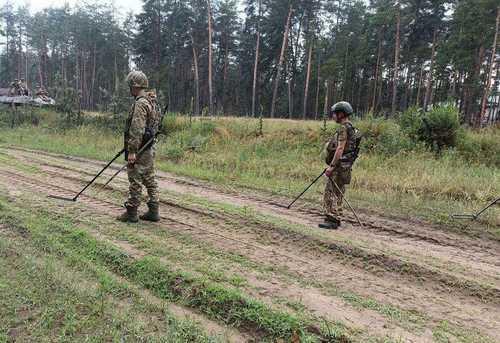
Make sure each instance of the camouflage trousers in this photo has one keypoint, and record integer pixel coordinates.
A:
(332, 198)
(142, 173)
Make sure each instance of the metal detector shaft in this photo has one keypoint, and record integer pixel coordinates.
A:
(139, 153)
(347, 202)
(497, 201)
(75, 198)
(305, 190)
(99, 174)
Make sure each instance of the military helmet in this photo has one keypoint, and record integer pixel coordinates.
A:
(137, 79)
(342, 106)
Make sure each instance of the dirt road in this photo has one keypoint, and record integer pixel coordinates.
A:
(396, 278)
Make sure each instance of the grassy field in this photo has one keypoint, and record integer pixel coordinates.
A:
(228, 264)
(394, 175)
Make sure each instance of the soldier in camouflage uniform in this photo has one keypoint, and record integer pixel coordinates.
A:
(142, 124)
(339, 150)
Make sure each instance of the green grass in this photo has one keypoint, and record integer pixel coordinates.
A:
(393, 175)
(44, 297)
(57, 234)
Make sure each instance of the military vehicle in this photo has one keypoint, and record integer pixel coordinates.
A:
(15, 97)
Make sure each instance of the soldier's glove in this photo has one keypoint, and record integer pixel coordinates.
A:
(131, 159)
(329, 171)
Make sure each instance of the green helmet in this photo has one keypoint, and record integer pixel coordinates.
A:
(342, 106)
(137, 79)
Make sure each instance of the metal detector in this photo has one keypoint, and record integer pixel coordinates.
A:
(476, 215)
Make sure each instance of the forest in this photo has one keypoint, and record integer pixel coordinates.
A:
(270, 58)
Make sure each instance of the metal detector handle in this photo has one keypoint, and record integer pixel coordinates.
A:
(99, 174)
(305, 190)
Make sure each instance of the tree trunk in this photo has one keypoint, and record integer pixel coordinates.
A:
(344, 81)
(490, 71)
(280, 63)
(224, 77)
(327, 91)
(318, 84)
(419, 88)
(256, 63)
(470, 89)
(431, 70)
(308, 77)
(210, 89)
(93, 79)
(396, 62)
(196, 106)
(289, 90)
(377, 69)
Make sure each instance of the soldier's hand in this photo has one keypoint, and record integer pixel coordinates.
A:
(329, 171)
(131, 159)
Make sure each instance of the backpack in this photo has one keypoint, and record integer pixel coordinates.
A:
(154, 122)
(355, 136)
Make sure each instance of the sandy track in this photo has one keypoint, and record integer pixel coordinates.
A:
(434, 251)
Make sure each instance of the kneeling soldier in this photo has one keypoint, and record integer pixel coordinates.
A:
(142, 125)
(340, 157)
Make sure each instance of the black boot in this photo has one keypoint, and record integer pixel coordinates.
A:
(152, 214)
(330, 223)
(130, 216)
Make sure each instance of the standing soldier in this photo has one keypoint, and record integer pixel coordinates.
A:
(142, 124)
(341, 153)
(23, 87)
(14, 87)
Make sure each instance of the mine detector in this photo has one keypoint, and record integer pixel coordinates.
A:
(6, 97)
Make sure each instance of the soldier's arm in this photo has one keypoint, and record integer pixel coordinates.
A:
(342, 141)
(137, 127)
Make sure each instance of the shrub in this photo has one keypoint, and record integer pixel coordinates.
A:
(384, 136)
(21, 115)
(438, 128)
(480, 147)
(174, 153)
(173, 123)
(410, 122)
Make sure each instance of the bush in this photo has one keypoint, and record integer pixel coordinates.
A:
(438, 128)
(384, 136)
(480, 147)
(410, 122)
(173, 123)
(22, 115)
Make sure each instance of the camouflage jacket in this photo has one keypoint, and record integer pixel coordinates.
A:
(344, 133)
(143, 119)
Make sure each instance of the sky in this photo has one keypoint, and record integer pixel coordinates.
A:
(124, 6)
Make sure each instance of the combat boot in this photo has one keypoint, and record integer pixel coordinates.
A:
(152, 214)
(330, 223)
(130, 216)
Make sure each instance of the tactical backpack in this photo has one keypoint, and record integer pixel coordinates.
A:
(153, 123)
(355, 136)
